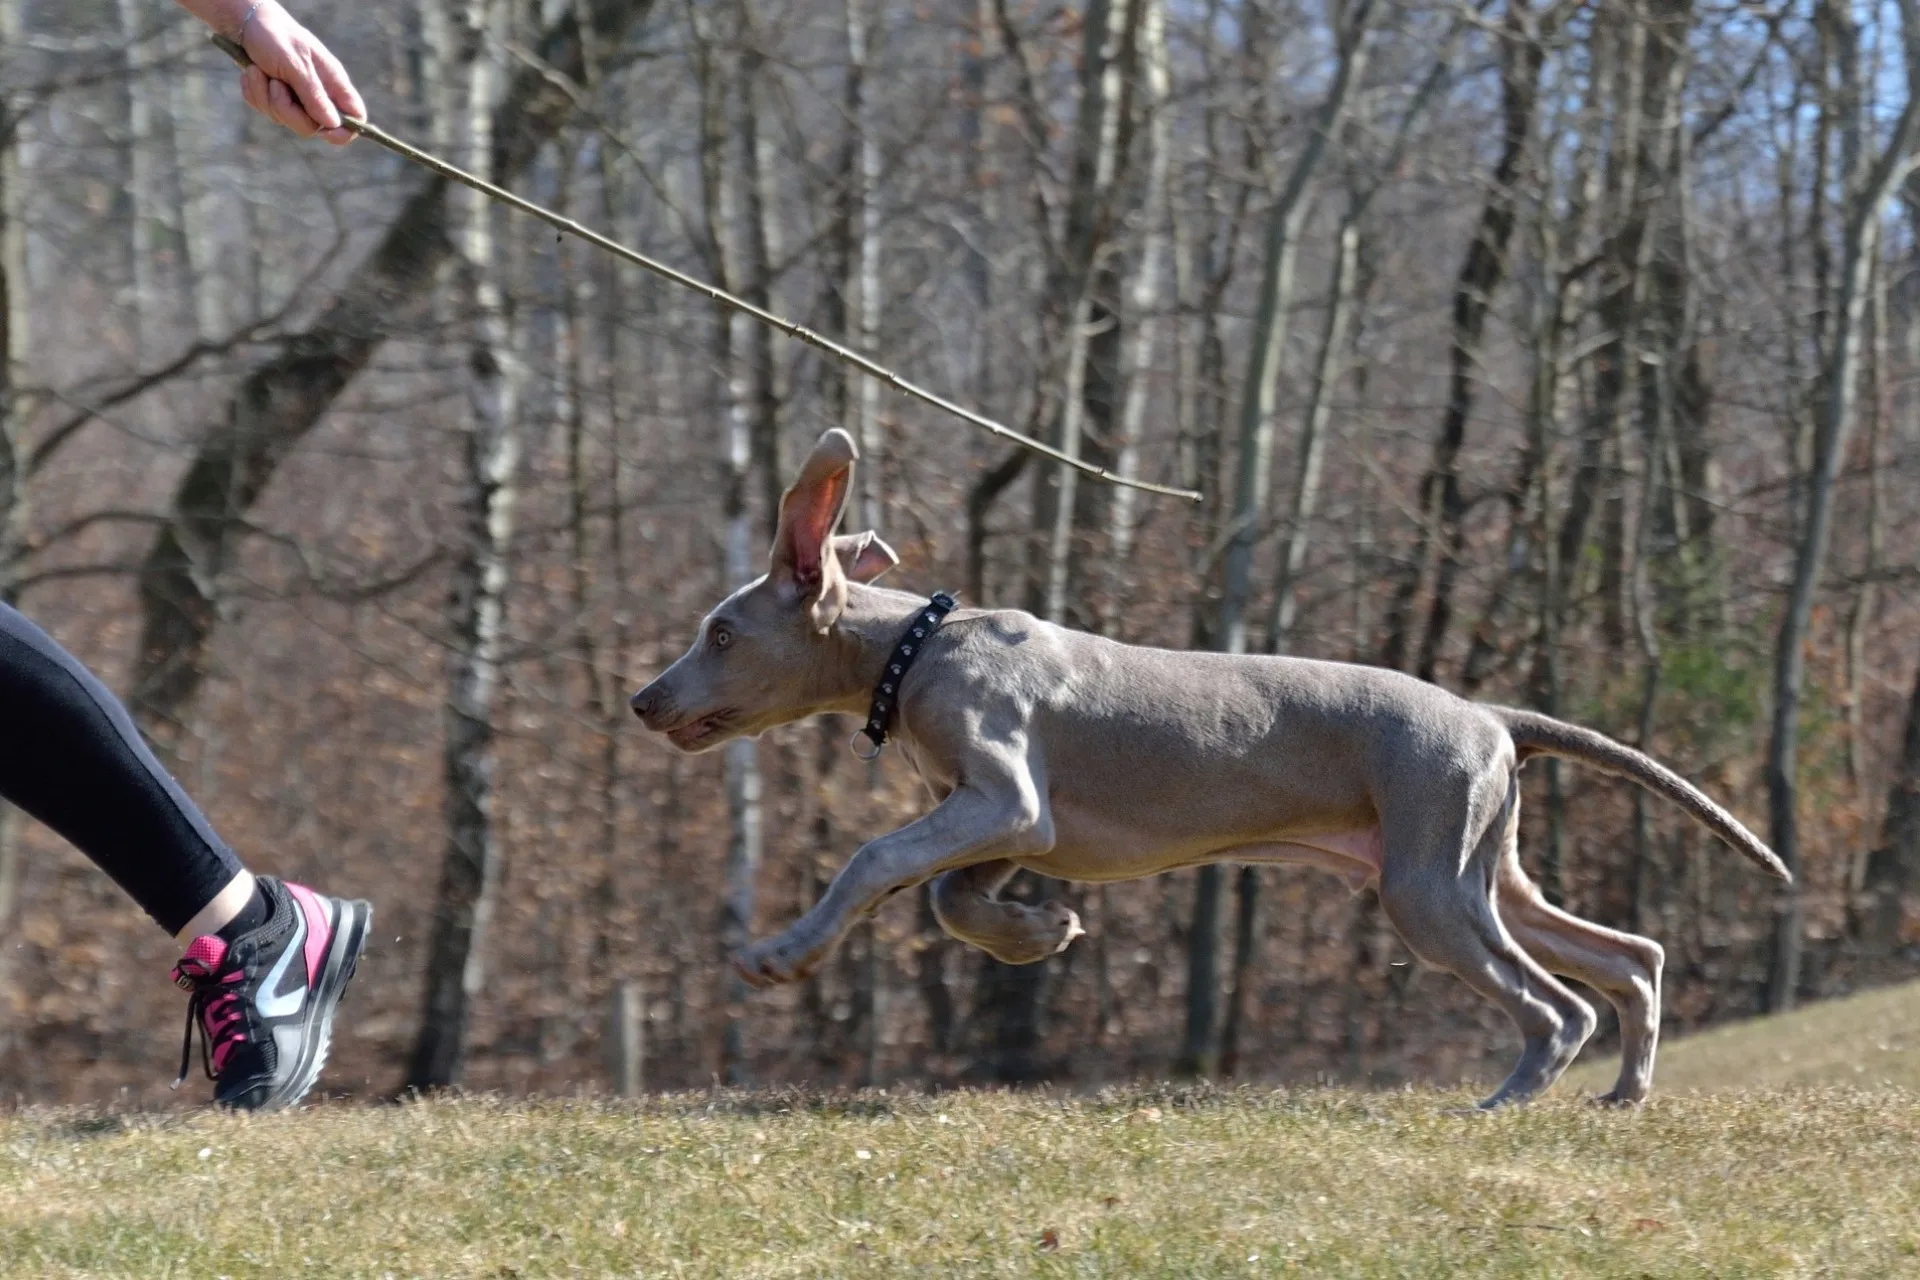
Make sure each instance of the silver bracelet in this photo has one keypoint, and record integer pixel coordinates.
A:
(240, 32)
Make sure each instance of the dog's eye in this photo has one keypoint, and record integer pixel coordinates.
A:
(722, 637)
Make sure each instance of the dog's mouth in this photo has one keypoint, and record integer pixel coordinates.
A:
(692, 735)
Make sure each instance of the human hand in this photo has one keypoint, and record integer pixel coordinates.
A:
(294, 80)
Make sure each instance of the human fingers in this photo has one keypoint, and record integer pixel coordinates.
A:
(337, 84)
(253, 90)
(304, 81)
(285, 109)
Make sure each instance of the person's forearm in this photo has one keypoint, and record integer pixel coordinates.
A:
(224, 16)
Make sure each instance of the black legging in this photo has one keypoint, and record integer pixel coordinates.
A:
(70, 756)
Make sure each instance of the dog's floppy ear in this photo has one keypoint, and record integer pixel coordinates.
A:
(801, 561)
(863, 557)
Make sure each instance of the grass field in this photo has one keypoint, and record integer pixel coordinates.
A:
(1752, 1179)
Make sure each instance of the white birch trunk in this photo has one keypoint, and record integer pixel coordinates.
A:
(1099, 125)
(143, 163)
(864, 288)
(476, 610)
(1145, 300)
(199, 209)
(732, 337)
(1313, 440)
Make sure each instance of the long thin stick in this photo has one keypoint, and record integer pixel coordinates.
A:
(373, 133)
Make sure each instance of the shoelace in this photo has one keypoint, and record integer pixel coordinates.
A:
(216, 1009)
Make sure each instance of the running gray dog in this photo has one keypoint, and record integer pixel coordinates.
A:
(1084, 759)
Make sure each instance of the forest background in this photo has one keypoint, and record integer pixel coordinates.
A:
(1558, 351)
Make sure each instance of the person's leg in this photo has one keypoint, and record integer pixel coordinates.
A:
(71, 757)
(265, 961)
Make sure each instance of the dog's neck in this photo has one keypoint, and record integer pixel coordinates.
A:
(868, 629)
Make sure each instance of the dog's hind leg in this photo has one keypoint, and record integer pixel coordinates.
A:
(967, 903)
(1437, 886)
(1623, 967)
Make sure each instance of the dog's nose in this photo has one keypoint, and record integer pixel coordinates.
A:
(646, 704)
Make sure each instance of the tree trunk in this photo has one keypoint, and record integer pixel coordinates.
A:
(1867, 192)
(1246, 946)
(194, 124)
(1873, 535)
(1266, 350)
(1338, 341)
(862, 174)
(146, 228)
(1079, 296)
(1637, 182)
(1313, 436)
(1671, 373)
(1077, 301)
(864, 425)
(743, 356)
(1268, 338)
(15, 309)
(476, 609)
(1442, 503)
(614, 925)
(930, 976)
(1893, 868)
(1143, 324)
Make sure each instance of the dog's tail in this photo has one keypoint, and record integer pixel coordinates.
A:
(1536, 735)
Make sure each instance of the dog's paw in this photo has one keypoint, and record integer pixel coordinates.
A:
(774, 962)
(1065, 922)
(1614, 1100)
(1033, 933)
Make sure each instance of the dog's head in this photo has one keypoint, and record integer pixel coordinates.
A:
(765, 655)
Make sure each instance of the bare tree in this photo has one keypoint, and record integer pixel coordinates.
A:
(1443, 505)
(1078, 300)
(196, 167)
(15, 310)
(1869, 180)
(476, 607)
(1336, 351)
(286, 394)
(1266, 351)
(1143, 324)
(146, 225)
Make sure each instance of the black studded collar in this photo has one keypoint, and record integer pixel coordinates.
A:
(886, 693)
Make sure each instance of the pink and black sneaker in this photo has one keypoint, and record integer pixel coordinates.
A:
(265, 1000)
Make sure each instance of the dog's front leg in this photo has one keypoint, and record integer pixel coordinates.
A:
(980, 821)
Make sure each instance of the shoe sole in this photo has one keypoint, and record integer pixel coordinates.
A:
(343, 958)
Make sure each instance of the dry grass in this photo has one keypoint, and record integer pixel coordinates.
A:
(1785, 1147)
(1310, 1182)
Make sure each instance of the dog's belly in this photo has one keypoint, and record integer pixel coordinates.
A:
(1353, 854)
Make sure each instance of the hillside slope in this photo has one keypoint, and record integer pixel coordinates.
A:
(1870, 1039)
